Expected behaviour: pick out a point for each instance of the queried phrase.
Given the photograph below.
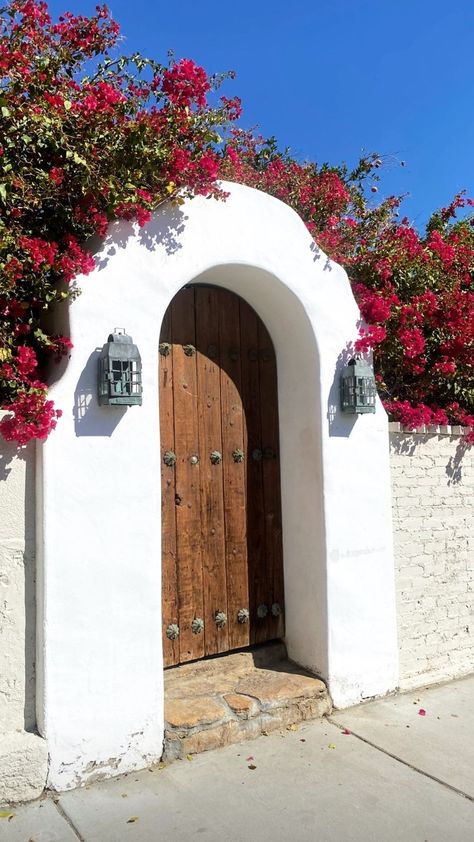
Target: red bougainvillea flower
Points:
(186, 83)
(78, 152)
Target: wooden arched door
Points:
(221, 506)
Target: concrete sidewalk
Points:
(399, 775)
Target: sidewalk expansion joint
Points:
(66, 818)
(404, 762)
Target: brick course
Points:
(433, 523)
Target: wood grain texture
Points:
(233, 430)
(168, 513)
(188, 490)
(211, 475)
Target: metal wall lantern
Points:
(120, 371)
(358, 391)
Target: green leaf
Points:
(3, 192)
(40, 336)
(5, 111)
(67, 104)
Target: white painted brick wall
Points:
(17, 588)
(433, 521)
(23, 754)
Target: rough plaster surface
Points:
(23, 766)
(433, 505)
(100, 689)
(17, 599)
(23, 756)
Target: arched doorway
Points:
(340, 619)
(222, 558)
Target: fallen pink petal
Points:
(422, 712)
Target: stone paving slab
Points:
(237, 697)
(221, 674)
(271, 688)
(186, 713)
(313, 784)
(39, 821)
(440, 742)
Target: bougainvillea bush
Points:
(414, 290)
(88, 137)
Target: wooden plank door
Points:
(221, 510)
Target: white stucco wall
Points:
(23, 755)
(100, 683)
(433, 505)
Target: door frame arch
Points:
(300, 455)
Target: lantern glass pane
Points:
(103, 385)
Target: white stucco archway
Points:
(100, 693)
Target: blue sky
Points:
(335, 78)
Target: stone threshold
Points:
(237, 697)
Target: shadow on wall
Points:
(407, 443)
(163, 230)
(6, 456)
(454, 466)
(90, 419)
(318, 255)
(30, 596)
